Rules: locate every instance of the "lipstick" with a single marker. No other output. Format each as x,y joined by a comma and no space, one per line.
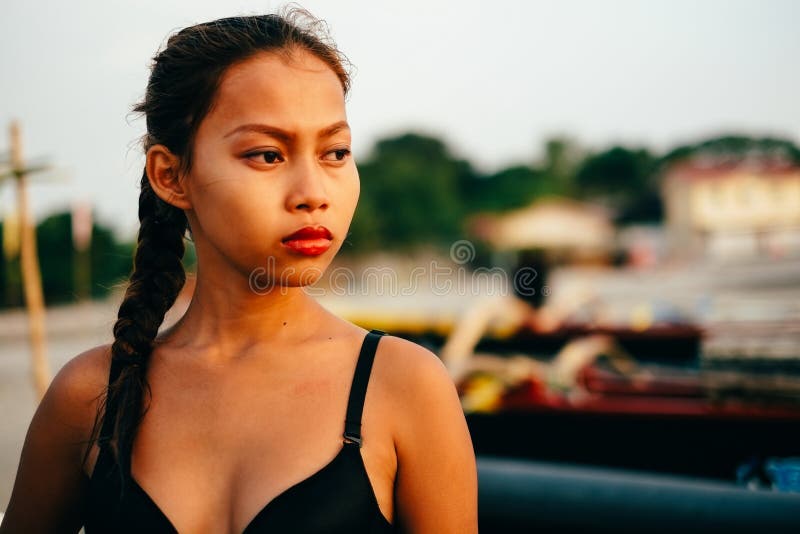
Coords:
309,240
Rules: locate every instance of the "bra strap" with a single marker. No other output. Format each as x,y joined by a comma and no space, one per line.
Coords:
358,389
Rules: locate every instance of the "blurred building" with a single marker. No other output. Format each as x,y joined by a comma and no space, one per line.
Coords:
560,226
748,208
529,242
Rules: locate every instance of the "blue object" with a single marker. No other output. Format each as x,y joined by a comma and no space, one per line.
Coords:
784,473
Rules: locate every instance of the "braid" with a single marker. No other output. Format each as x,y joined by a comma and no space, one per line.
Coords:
157,278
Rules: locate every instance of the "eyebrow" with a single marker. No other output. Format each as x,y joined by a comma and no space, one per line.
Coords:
284,135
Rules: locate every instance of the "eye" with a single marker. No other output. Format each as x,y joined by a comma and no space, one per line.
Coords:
265,156
340,154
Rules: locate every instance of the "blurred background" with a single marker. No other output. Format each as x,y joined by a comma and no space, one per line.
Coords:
589,210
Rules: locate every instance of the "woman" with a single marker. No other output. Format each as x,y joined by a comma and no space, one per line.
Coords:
232,420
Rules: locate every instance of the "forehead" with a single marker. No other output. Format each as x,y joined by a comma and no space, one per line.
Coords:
295,91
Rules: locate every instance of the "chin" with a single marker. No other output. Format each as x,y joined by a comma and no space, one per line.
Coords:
306,272
305,279
288,273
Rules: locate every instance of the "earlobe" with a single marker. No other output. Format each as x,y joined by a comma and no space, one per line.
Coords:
163,171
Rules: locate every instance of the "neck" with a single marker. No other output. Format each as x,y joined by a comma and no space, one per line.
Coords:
224,319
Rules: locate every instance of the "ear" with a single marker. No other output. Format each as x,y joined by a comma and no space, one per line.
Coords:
163,171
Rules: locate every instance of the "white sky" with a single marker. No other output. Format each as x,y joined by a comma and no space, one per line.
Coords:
494,79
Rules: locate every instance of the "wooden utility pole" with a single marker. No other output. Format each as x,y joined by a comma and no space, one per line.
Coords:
29,261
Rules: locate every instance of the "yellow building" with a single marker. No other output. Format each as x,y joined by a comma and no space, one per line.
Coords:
745,209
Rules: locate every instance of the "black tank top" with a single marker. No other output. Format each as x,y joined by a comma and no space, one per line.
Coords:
337,498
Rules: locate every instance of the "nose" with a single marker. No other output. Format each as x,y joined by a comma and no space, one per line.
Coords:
308,191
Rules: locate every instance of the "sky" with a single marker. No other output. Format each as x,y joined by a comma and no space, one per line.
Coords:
493,79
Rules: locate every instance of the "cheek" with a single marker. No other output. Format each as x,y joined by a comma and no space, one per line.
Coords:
226,191
234,208
350,193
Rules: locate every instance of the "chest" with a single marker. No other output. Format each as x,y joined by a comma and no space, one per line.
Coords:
336,498
226,450
210,454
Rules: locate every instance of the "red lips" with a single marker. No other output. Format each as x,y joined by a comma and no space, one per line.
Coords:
309,240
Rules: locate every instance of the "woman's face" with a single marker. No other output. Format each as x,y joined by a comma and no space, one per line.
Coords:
271,157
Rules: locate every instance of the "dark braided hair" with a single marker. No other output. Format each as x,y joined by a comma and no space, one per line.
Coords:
183,82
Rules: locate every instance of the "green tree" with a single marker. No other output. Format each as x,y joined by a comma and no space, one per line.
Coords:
734,148
562,157
410,194
507,189
110,263
624,179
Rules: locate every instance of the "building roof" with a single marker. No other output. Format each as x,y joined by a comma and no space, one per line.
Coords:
711,168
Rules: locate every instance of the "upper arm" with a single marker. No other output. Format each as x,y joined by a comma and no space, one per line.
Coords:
437,483
50,484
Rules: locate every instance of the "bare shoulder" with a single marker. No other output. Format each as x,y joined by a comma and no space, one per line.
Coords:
413,369
82,379
420,386
71,402
436,487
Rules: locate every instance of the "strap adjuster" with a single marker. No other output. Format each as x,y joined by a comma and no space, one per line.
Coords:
350,438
